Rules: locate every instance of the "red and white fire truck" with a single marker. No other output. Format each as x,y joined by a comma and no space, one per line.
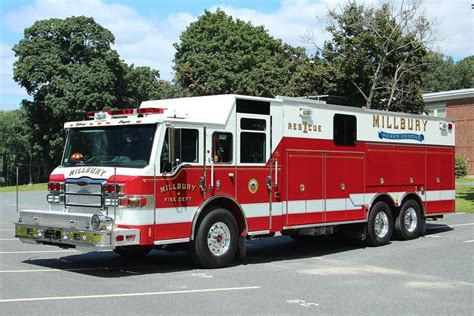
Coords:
213,171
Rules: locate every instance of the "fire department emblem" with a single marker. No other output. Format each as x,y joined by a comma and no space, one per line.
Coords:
253,186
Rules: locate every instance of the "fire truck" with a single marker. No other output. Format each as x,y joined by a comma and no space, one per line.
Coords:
211,172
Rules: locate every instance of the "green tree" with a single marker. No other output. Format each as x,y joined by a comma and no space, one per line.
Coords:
142,84
311,77
16,146
377,55
69,68
465,72
446,75
217,54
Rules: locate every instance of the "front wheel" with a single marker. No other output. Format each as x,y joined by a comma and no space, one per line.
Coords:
408,223
380,225
216,240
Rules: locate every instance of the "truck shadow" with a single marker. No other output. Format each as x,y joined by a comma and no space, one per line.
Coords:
107,264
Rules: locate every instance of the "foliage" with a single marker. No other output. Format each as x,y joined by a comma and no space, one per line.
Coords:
217,54
377,55
460,167
142,84
312,77
445,74
15,144
69,67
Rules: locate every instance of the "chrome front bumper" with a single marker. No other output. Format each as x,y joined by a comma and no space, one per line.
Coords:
71,230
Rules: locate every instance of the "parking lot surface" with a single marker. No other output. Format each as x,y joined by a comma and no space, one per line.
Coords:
433,274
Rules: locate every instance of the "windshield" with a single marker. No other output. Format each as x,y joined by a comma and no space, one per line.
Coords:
119,146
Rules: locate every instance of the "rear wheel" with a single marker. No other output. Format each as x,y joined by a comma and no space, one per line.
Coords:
216,240
380,225
409,222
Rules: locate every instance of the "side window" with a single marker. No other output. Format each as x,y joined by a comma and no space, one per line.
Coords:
185,148
222,147
189,141
345,129
252,140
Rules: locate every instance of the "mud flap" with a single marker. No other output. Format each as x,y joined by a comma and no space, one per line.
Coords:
364,233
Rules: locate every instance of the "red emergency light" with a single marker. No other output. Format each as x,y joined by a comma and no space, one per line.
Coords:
151,111
125,112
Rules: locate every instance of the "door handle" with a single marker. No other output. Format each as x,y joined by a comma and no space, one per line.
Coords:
269,183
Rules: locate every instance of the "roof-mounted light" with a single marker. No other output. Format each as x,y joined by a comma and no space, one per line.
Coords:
151,111
446,126
103,115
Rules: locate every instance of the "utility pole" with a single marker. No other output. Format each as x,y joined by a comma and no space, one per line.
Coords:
31,161
17,169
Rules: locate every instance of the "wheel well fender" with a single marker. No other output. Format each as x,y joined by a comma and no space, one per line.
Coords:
384,197
220,201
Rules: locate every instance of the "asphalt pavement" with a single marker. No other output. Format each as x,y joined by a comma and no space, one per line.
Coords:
433,274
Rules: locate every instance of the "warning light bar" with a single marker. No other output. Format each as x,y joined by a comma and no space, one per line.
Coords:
151,111
102,115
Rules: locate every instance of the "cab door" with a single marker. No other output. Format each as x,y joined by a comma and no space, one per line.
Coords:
253,172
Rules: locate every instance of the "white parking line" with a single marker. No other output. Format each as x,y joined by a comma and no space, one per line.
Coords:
53,298
433,236
457,225
468,240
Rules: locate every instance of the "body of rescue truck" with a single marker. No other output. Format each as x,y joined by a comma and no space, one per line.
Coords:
211,172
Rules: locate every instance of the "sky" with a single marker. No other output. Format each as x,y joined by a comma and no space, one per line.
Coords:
145,30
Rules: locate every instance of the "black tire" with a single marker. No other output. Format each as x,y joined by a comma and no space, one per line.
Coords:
408,222
380,225
422,227
219,252
133,251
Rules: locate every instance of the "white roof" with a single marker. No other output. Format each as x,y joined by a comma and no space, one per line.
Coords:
215,109
448,95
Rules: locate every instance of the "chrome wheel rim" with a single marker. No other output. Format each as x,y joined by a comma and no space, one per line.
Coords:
218,239
381,224
410,220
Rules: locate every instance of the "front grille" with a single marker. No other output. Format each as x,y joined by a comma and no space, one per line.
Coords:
91,188
84,200
83,194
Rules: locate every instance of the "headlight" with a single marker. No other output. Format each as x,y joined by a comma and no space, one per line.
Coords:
99,221
95,222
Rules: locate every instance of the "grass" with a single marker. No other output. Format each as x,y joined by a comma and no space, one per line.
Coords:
465,198
466,179
26,187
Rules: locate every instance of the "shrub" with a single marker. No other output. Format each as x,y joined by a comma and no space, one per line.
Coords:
460,166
